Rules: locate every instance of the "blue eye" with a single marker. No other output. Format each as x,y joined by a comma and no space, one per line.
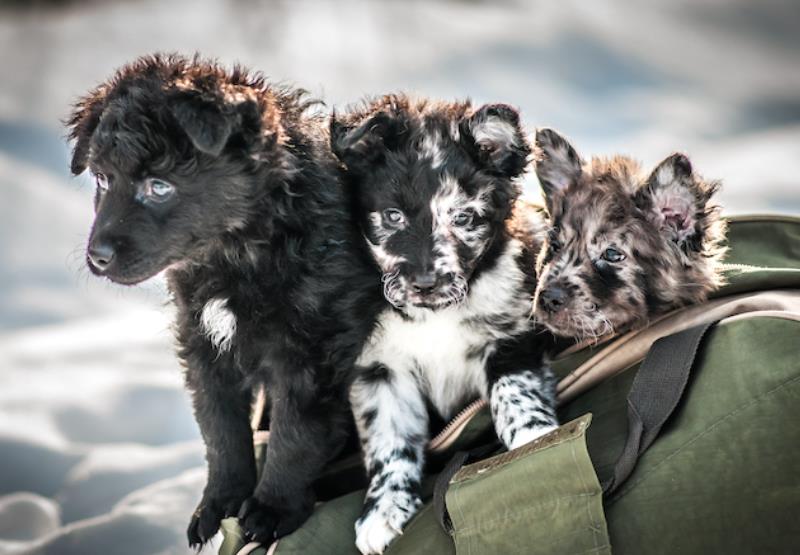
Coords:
613,255
159,190
463,218
393,217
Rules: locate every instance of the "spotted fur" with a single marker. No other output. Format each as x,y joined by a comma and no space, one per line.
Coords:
522,407
623,245
435,185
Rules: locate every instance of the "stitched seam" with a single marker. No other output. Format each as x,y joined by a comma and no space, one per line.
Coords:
504,460
584,488
521,453
705,432
457,500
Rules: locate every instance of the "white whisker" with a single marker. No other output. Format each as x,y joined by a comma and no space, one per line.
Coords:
393,289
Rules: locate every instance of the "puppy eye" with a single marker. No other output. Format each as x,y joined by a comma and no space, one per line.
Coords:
158,190
613,255
463,218
101,181
393,217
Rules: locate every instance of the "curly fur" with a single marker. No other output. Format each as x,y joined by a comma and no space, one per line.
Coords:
271,281
435,187
664,225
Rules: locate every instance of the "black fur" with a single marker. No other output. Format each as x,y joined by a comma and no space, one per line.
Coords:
396,150
437,203
258,220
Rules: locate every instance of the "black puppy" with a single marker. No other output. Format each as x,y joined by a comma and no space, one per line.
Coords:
228,184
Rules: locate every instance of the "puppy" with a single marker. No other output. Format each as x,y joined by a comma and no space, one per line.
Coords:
623,246
228,184
435,194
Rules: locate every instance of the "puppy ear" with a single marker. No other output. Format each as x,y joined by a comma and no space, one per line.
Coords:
674,198
494,138
204,120
557,164
81,125
362,143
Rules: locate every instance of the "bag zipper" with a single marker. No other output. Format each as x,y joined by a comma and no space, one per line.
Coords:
769,218
444,438
724,266
436,443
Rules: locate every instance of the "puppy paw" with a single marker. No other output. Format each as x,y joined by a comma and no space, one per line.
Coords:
263,520
526,435
382,524
207,517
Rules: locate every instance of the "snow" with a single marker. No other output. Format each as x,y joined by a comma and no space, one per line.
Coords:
98,448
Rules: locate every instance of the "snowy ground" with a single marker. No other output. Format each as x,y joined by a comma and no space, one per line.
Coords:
98,449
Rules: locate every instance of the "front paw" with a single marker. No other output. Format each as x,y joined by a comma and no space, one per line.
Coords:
263,520
208,515
376,529
526,435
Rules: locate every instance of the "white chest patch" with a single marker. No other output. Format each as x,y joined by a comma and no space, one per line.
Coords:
219,323
446,350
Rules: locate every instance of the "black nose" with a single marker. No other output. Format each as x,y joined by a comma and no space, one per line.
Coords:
553,298
424,283
101,255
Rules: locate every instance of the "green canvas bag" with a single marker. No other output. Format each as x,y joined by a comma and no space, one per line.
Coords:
697,447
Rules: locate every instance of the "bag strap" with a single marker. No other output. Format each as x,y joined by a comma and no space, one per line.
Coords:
657,389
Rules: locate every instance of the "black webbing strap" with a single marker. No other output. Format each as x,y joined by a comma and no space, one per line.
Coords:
657,389
443,480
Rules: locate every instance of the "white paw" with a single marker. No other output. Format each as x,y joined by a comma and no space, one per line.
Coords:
526,435
377,530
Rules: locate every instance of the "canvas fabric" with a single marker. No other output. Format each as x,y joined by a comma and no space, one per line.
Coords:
720,477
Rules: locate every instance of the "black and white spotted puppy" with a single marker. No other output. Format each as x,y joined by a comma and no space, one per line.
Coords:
435,193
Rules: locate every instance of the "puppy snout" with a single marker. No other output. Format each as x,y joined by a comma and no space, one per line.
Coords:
553,298
101,255
424,283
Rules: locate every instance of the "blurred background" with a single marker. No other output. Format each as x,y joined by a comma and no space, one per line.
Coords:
99,452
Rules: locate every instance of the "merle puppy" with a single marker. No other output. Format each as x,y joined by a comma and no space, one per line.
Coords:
435,193
623,246
228,184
